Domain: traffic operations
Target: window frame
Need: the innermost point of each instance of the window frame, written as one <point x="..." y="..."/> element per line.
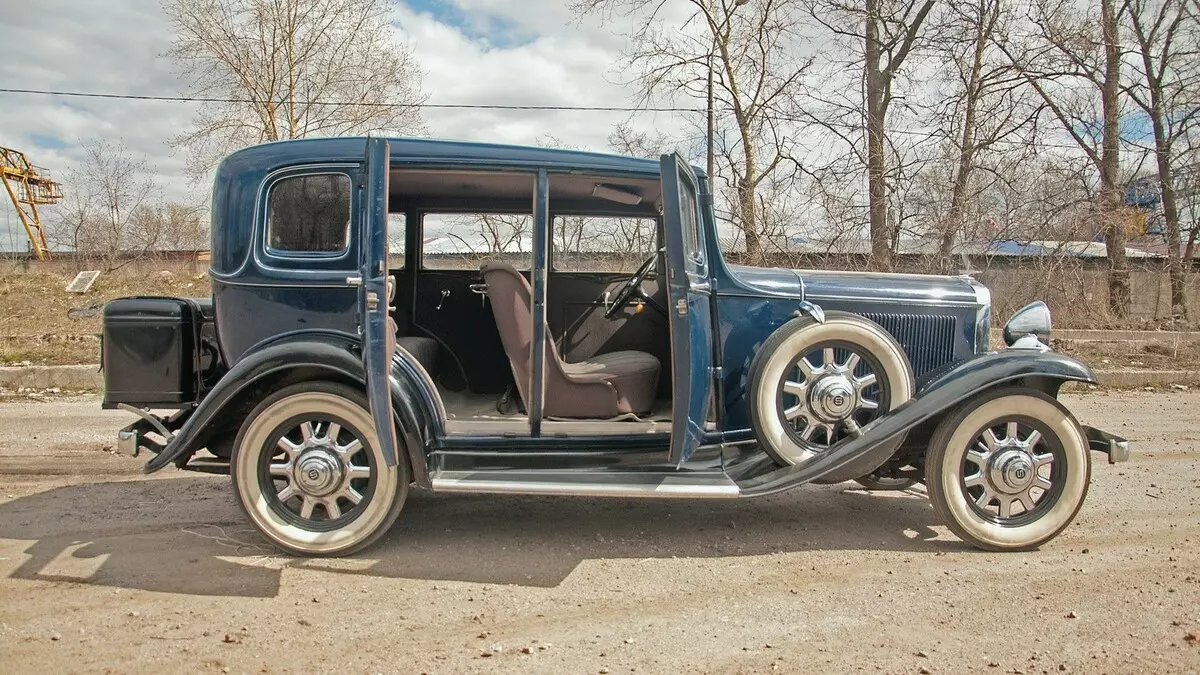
<point x="344" y="260"/>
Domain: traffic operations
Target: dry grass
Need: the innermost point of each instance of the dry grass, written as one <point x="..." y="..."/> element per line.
<point x="1134" y="354"/>
<point x="35" y="326"/>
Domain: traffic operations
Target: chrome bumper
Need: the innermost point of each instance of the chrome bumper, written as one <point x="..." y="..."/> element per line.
<point x="1115" y="447"/>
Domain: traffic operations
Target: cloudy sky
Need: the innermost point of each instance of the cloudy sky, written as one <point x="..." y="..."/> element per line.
<point x="471" y="51"/>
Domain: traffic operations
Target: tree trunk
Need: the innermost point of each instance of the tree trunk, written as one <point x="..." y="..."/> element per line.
<point x="874" y="82"/>
<point x="1111" y="224"/>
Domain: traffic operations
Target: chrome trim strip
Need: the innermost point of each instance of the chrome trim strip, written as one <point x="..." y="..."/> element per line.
<point x="669" y="486"/>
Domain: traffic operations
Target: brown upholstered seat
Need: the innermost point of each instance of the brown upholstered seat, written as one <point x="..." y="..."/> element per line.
<point x="605" y="385"/>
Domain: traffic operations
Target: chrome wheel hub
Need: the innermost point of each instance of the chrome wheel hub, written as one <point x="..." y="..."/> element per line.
<point x="1011" y="471"/>
<point x="820" y="397"/>
<point x="320" y="470"/>
<point x="1010" y="475"/>
<point x="833" y="398"/>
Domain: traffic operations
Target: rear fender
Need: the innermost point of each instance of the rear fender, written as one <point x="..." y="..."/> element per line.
<point x="963" y="381"/>
<point x="417" y="410"/>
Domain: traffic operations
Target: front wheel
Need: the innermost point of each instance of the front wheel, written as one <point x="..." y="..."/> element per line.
<point x="1009" y="470"/>
<point x="308" y="471"/>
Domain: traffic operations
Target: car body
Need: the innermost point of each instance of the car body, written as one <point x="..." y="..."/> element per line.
<point x="698" y="378"/>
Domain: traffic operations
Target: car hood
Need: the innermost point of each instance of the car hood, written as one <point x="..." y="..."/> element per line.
<point x="816" y="285"/>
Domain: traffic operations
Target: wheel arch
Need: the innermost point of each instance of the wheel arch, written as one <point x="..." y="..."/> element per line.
<point x="298" y="357"/>
<point x="941" y="392"/>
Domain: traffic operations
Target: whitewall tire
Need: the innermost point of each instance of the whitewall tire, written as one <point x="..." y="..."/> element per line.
<point x="1009" y="470"/>
<point x="814" y="383"/>
<point x="309" y="473"/>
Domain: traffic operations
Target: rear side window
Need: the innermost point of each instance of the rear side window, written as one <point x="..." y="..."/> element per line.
<point x="310" y="214"/>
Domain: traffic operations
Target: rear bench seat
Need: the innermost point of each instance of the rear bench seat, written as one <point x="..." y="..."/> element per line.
<point x="423" y="349"/>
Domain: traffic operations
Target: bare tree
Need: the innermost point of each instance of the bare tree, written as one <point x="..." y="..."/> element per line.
<point x="750" y="52"/>
<point x="984" y="121"/>
<point x="1070" y="59"/>
<point x="291" y="69"/>
<point x="887" y="32"/>
<point x="169" y="227"/>
<point x="109" y="188"/>
<point x="1167" y="90"/>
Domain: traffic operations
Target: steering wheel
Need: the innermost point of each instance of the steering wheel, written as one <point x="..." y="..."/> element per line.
<point x="632" y="288"/>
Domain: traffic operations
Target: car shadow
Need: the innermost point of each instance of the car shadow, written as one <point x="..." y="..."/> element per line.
<point x="187" y="535"/>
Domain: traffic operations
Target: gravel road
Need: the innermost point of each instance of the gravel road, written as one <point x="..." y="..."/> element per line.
<point x="103" y="569"/>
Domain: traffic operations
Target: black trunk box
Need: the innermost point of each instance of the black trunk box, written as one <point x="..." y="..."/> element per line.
<point x="148" y="351"/>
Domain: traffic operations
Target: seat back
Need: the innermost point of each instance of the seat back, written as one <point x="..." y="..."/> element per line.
<point x="510" y="296"/>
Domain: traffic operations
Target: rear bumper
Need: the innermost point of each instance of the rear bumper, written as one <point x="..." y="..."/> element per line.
<point x="1115" y="447"/>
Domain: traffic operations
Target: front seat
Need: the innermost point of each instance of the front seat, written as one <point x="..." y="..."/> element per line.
<point x="605" y="385"/>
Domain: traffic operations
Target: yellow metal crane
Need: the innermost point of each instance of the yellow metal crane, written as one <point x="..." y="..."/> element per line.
<point x="28" y="186"/>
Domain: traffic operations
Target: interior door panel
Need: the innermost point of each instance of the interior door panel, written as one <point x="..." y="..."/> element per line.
<point x="447" y="310"/>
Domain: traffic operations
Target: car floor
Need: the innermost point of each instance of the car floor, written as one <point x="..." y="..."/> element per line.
<point x="479" y="414"/>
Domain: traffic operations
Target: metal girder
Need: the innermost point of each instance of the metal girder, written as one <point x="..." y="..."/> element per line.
<point x="28" y="186"/>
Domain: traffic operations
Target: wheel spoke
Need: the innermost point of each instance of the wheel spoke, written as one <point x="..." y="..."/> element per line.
<point x="806" y="368"/>
<point x="332" y="510"/>
<point x="354" y="472"/>
<point x="977" y="458"/>
<point x="974" y="480"/>
<point x="1026" y="501"/>
<point x="307" y="432"/>
<point x="852" y="362"/>
<point x="289" y="447"/>
<point x="1042" y="460"/>
<point x="983" y="499"/>
<point x="794" y="388"/>
<point x="809" y="428"/>
<point x="1011" y="433"/>
<point x="350" y="448"/>
<point x="287" y="493"/>
<point x="793" y="412"/>
<point x="868" y="404"/>
<point x="281" y="469"/>
<point x="852" y="427"/>
<point x="353" y="496"/>
<point x="989" y="439"/>
<point x="1042" y="483"/>
<point x="1035" y="437"/>
<point x="1006" y="506"/>
<point x="827" y="358"/>
<point x="865" y="381"/>
<point x="828" y="433"/>
<point x="332" y="432"/>
<point x="306" y="508"/>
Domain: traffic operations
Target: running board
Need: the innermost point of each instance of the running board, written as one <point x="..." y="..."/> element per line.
<point x="675" y="484"/>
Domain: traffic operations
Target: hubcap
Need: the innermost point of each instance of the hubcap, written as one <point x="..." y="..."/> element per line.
<point x="318" y="472"/>
<point x="828" y="394"/>
<point x="320" y="464"/>
<point x="833" y="397"/>
<point x="1012" y="475"/>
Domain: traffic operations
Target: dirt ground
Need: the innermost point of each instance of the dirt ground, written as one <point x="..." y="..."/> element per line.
<point x="103" y="569"/>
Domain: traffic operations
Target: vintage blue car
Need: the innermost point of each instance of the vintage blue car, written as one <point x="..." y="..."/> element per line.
<point x="347" y="353"/>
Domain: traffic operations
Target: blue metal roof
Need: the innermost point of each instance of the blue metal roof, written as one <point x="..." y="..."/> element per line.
<point x="427" y="151"/>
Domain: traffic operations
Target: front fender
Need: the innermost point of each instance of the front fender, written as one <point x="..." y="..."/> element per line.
<point x="957" y="383"/>
<point x="415" y="406"/>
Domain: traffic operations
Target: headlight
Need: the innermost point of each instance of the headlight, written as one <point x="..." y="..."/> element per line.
<point x="1032" y="319"/>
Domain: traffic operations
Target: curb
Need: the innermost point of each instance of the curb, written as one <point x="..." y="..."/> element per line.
<point x="79" y="378"/>
<point x="1089" y="335"/>
<point x="89" y="378"/>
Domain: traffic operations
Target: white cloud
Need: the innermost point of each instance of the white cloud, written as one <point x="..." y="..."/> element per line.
<point x="471" y="51"/>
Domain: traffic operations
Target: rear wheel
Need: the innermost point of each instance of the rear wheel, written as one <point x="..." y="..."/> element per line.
<point x="308" y="471"/>
<point x="1009" y="470"/>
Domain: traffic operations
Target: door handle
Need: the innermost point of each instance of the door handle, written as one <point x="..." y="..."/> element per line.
<point x="354" y="281"/>
<point x="445" y="294"/>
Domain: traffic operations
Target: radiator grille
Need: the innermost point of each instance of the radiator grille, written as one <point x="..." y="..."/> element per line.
<point x="927" y="339"/>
